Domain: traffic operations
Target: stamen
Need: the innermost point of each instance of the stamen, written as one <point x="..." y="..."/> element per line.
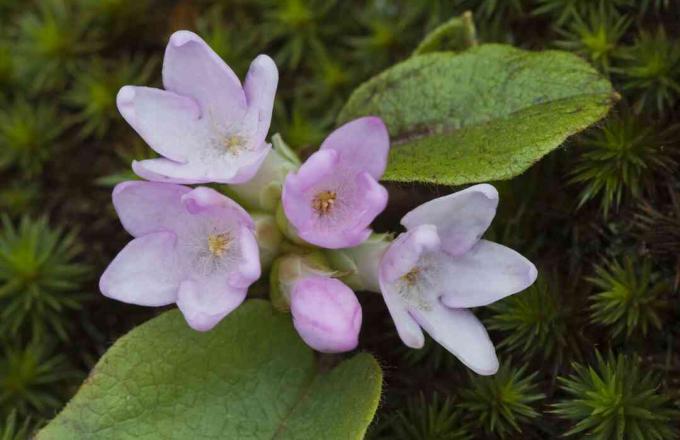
<point x="234" y="143"/>
<point x="218" y="244"/>
<point x="323" y="202"/>
<point x="411" y="278"/>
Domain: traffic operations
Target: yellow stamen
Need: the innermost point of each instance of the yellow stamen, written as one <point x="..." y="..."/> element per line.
<point x="234" y="143"/>
<point x="218" y="244"/>
<point x="411" y="277"/>
<point x="323" y="202"/>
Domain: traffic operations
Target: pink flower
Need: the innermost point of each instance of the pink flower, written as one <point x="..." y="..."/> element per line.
<point x="431" y="274"/>
<point x="326" y="314"/>
<point x="193" y="247"/>
<point x="335" y="195"/>
<point x="207" y="127"/>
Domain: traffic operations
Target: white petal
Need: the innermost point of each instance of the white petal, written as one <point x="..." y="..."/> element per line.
<point x="461" y="218"/>
<point x="462" y="334"/>
<point x="143" y="272"/>
<point x="485" y="274"/>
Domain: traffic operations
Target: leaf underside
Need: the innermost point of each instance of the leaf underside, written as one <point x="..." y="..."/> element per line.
<point x="485" y="114"/>
<point x="249" y="378"/>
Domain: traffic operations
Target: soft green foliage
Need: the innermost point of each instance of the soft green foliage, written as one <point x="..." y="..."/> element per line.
<point x="566" y="10"/>
<point x="500" y="404"/>
<point x="250" y="377"/>
<point x="615" y="398"/>
<point x="619" y="159"/>
<point x="384" y="31"/>
<point x="13" y="429"/>
<point x="435" y="418"/>
<point x="534" y="322"/>
<point x="486" y="114"/>
<point x="95" y="89"/>
<point x="6" y="67"/>
<point x="629" y="297"/>
<point x="50" y="40"/>
<point x="457" y="34"/>
<point x="231" y="42"/>
<point x="596" y="35"/>
<point x="19" y="197"/>
<point x="431" y="356"/>
<point x="29" y="133"/>
<point x="296" y="25"/>
<point x="40" y="279"/>
<point x="651" y="70"/>
<point x="33" y="379"/>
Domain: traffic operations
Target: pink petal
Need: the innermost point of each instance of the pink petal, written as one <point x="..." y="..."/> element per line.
<point x="165" y="170"/>
<point x="461" y="218"/>
<point x="202" y="200"/>
<point x="249" y="269"/>
<point x="144" y="272"/>
<point x="462" y="334"/>
<point x="204" y="302"/>
<point x="191" y="68"/>
<point x="483" y="275"/>
<point x="145" y="207"/>
<point x="168" y="122"/>
<point x="297" y="204"/>
<point x="260" y="89"/>
<point x="326" y="314"/>
<point x="231" y="170"/>
<point x="363" y="145"/>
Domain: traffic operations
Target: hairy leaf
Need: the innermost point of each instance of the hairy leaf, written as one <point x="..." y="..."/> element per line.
<point x="485" y="114"/>
<point x="249" y="378"/>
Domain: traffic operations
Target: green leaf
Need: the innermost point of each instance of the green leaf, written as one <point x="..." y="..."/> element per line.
<point x="249" y="378"/>
<point x="485" y="114"/>
<point x="457" y="34"/>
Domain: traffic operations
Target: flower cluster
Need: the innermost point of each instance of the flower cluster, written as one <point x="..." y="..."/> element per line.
<point x="200" y="249"/>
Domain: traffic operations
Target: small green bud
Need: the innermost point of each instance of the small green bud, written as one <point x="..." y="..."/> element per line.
<point x="360" y="263"/>
<point x="269" y="237"/>
<point x="289" y="268"/>
<point x="287" y="229"/>
<point x="263" y="191"/>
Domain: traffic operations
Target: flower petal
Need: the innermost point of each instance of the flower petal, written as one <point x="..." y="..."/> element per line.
<point x="297" y="204"/>
<point x="168" y="122"/>
<point x="145" y="207"/>
<point x="483" y="275"/>
<point x="191" y="68"/>
<point x="168" y="171"/>
<point x="260" y="89"/>
<point x="408" y="329"/>
<point x="405" y="251"/>
<point x="363" y="145"/>
<point x="206" y="200"/>
<point x="204" y="302"/>
<point x="461" y="218"/>
<point x="249" y="269"/>
<point x="462" y="334"/>
<point x="144" y="272"/>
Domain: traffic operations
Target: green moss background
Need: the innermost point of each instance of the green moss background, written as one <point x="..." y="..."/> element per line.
<point x="592" y="350"/>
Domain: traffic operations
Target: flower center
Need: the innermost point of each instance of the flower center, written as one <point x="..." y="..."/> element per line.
<point x="411" y="277"/>
<point x="323" y="202"/>
<point x="233" y="143"/>
<point x="416" y="289"/>
<point x="218" y="244"/>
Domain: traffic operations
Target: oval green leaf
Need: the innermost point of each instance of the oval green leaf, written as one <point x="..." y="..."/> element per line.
<point x="249" y="378"/>
<point x="485" y="114"/>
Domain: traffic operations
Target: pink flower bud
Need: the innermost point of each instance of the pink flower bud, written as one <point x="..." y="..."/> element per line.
<point x="326" y="314"/>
